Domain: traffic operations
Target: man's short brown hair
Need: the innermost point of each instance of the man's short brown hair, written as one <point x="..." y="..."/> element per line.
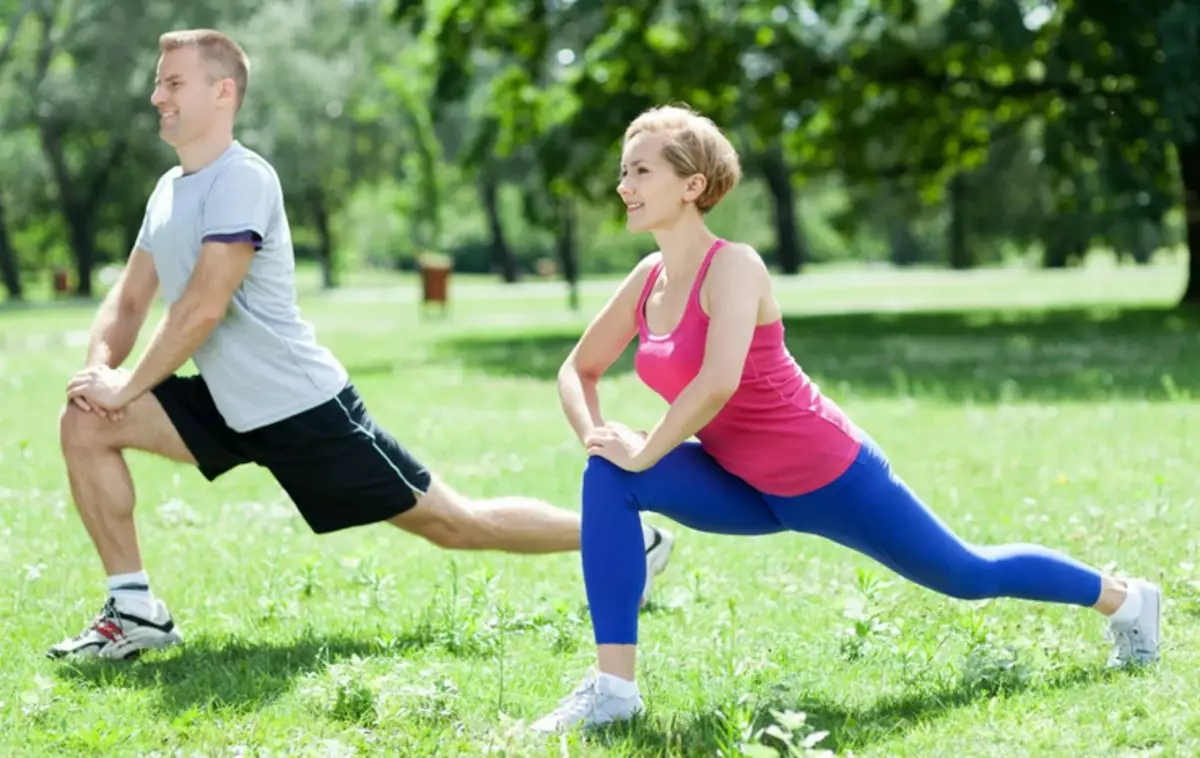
<point x="222" y="54"/>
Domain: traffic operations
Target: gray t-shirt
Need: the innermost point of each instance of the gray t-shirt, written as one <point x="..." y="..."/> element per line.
<point x="262" y="363"/>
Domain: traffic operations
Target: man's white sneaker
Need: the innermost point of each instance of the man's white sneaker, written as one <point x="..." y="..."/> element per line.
<point x="119" y="635"/>
<point x="658" y="554"/>
<point x="591" y="704"/>
<point x="1137" y="642"/>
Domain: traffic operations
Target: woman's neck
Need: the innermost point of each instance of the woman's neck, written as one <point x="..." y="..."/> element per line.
<point x="683" y="245"/>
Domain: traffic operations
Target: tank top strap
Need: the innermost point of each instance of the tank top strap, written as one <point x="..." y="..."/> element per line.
<point x="694" y="298"/>
<point x="646" y="288"/>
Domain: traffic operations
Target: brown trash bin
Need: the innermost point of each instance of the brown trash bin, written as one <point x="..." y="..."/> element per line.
<point x="435" y="272"/>
<point x="62" y="281"/>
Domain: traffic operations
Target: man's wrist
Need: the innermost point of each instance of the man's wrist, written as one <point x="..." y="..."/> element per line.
<point x="128" y="393"/>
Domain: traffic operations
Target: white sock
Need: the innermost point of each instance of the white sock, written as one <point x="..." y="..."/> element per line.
<point x="1131" y="606"/>
<point x="618" y="687"/>
<point x="648" y="533"/>
<point x="132" y="593"/>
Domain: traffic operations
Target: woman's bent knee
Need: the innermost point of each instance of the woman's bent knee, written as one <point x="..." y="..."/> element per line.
<point x="603" y="473"/>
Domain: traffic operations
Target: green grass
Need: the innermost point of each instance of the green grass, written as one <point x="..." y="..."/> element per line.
<point x="1053" y="408"/>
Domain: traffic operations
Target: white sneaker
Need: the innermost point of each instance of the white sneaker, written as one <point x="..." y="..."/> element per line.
<point x="589" y="705"/>
<point x="118" y="635"/>
<point x="658" y="554"/>
<point x="1137" y="642"/>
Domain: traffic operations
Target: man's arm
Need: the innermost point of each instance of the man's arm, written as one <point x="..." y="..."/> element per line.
<point x="233" y="224"/>
<point x="189" y="321"/>
<point x="123" y="311"/>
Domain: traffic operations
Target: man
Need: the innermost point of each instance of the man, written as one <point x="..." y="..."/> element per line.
<point x="215" y="239"/>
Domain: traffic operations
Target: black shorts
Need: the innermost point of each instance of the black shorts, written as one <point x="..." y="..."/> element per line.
<point x="339" y="467"/>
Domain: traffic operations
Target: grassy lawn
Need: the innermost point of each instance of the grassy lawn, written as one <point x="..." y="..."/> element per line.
<point x="1057" y="408"/>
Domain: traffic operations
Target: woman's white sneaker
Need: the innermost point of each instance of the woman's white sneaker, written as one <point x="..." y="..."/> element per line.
<point x="591" y="704"/>
<point x="1137" y="641"/>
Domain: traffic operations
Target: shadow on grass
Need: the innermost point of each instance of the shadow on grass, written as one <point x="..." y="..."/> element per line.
<point x="850" y="728"/>
<point x="1075" y="354"/>
<point x="229" y="673"/>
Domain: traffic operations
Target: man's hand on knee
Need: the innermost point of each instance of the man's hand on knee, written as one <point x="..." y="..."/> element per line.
<point x="92" y="390"/>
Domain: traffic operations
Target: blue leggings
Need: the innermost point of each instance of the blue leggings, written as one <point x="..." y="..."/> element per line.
<point x="868" y="509"/>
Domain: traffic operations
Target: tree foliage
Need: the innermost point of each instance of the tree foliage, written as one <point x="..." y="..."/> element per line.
<point x="887" y="90"/>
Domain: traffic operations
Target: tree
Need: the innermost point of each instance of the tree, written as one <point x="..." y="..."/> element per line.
<point x="577" y="73"/>
<point x="871" y="90"/>
<point x="8" y="254"/>
<point x="318" y="109"/>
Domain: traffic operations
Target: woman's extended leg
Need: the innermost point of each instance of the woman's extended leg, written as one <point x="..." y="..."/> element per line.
<point x="869" y="509"/>
<point x="687" y="486"/>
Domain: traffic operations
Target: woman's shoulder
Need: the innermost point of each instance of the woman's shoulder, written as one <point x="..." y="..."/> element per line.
<point x="740" y="257"/>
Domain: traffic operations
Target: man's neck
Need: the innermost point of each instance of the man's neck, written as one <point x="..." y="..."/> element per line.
<point x="200" y="153"/>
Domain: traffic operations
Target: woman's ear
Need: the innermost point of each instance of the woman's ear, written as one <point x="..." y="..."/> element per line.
<point x="695" y="187"/>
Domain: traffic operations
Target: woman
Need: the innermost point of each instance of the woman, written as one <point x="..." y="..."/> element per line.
<point x="773" y="453"/>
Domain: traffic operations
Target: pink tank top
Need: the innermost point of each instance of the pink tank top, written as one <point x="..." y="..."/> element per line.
<point x="777" y="432"/>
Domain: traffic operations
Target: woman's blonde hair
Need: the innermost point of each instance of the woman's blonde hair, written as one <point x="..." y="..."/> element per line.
<point x="694" y="145"/>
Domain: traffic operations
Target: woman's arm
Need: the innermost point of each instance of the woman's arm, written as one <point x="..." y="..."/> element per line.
<point x="601" y="344"/>
<point x="737" y="281"/>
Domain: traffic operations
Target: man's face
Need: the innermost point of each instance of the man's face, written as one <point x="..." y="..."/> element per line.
<point x="187" y="95"/>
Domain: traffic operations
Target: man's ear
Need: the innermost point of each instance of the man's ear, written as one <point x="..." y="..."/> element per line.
<point x="228" y="90"/>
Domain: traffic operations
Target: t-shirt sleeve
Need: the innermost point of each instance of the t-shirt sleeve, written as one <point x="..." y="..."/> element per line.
<point x="240" y="205"/>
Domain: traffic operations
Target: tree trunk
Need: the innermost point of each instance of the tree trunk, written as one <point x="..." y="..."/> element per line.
<point x="320" y="211"/>
<point x="83" y="243"/>
<point x="960" y="257"/>
<point x="8" y="260"/>
<point x="568" y="255"/>
<point x="905" y="249"/>
<point x="1189" y="165"/>
<point x="501" y="252"/>
<point x="1056" y="253"/>
<point x="78" y="207"/>
<point x="78" y="228"/>
<point x="779" y="182"/>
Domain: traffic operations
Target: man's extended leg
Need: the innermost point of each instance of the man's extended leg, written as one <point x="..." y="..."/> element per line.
<point x="342" y="469"/>
<point x="451" y="520"/>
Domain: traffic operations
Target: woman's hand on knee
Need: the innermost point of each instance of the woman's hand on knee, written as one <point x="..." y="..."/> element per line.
<point x="619" y="445"/>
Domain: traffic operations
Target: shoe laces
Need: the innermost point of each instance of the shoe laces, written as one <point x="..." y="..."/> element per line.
<point x="1124" y="638"/>
<point x="109" y="622"/>
<point x="580" y="702"/>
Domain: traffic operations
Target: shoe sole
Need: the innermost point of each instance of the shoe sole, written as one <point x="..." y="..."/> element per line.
<point x="136" y="653"/>
<point x="132" y="655"/>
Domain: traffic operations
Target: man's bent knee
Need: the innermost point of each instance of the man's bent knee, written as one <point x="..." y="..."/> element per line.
<point x="81" y="431"/>
<point x="144" y="426"/>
